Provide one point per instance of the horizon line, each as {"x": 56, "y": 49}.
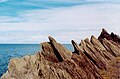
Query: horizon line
{"x": 28, "y": 43}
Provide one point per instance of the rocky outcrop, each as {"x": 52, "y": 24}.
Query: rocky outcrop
{"x": 91, "y": 59}
{"x": 112, "y": 36}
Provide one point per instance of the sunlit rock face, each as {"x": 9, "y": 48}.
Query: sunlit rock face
{"x": 91, "y": 59}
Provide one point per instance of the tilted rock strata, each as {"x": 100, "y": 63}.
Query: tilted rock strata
{"x": 91, "y": 59}
{"x": 112, "y": 36}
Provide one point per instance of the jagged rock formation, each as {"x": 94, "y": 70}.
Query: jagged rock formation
{"x": 112, "y": 36}
{"x": 91, "y": 59}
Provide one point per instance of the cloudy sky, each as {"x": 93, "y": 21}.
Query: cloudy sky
{"x": 32, "y": 21}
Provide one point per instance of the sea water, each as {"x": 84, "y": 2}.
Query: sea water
{"x": 8, "y": 51}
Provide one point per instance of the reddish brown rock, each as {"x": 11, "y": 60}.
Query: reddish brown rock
{"x": 101, "y": 49}
{"x": 93, "y": 55}
{"x": 92, "y": 59}
{"x": 112, "y": 36}
{"x": 59, "y": 50}
{"x": 85, "y": 63}
{"x": 48, "y": 52}
{"x": 113, "y": 49}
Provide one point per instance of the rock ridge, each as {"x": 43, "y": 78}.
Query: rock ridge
{"x": 91, "y": 59}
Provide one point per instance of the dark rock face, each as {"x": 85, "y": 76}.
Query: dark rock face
{"x": 112, "y": 36}
{"x": 91, "y": 59}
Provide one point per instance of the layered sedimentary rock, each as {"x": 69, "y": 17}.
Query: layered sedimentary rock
{"x": 112, "y": 36}
{"x": 91, "y": 59}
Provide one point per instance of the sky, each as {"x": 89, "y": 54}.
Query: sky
{"x": 32, "y": 21}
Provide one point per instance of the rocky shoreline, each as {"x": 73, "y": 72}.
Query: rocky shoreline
{"x": 95, "y": 58}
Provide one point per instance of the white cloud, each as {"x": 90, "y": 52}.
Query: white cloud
{"x": 64, "y": 24}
